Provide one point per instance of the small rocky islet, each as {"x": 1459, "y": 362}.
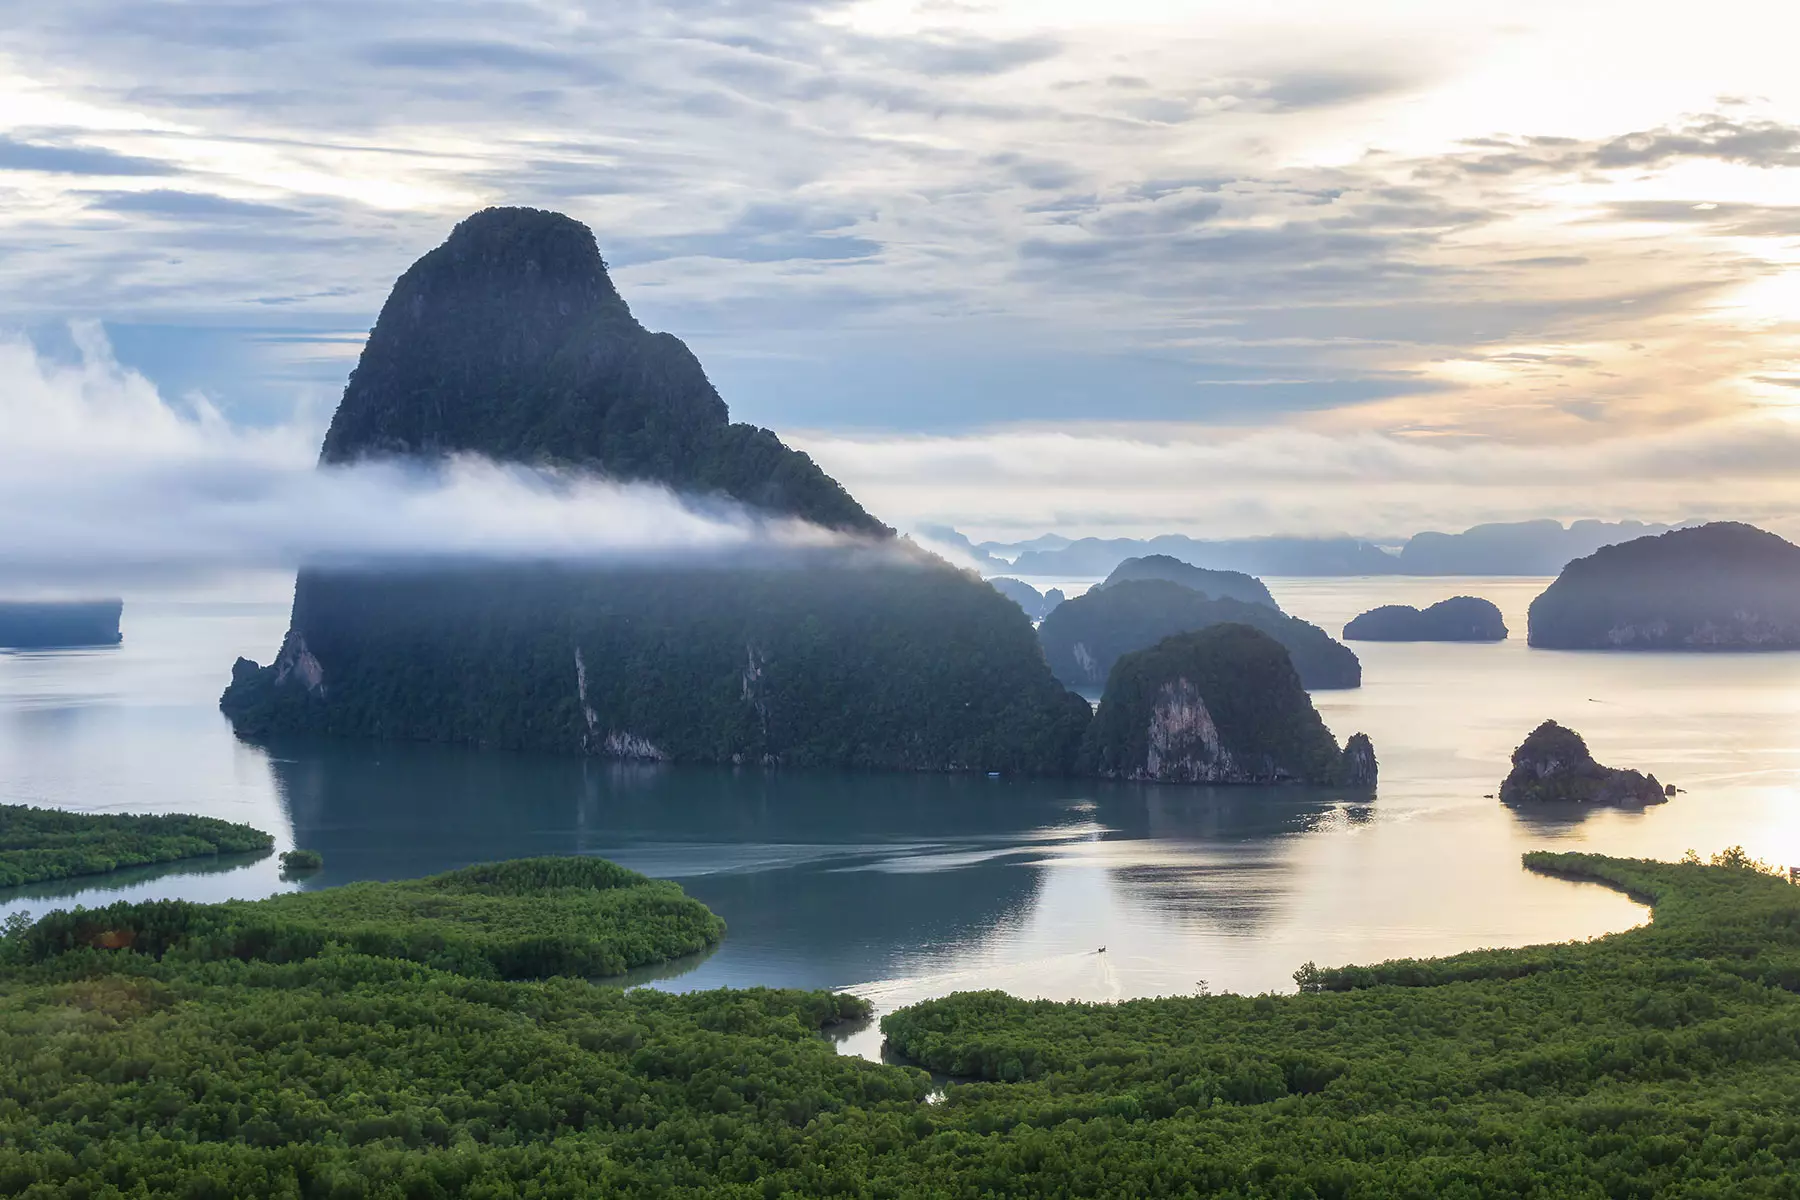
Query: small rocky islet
{"x": 1553, "y": 766}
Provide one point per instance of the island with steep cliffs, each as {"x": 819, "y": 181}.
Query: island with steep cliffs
{"x": 1220, "y": 585}
{"x": 1221, "y": 705}
{"x": 510, "y": 341}
{"x": 1723, "y": 586}
{"x": 1553, "y": 766}
{"x": 1458, "y": 619}
{"x": 1084, "y": 637}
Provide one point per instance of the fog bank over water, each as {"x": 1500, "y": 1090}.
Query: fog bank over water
{"x": 107, "y": 483}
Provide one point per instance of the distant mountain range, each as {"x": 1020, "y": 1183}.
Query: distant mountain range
{"x": 1512, "y": 548}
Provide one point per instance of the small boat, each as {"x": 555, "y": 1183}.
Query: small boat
{"x": 1101, "y": 950}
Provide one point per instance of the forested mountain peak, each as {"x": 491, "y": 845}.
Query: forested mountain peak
{"x": 510, "y": 340}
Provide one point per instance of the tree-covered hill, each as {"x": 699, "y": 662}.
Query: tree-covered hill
{"x": 1664, "y": 1061}
{"x": 1083, "y": 637}
{"x": 1724, "y": 586}
{"x": 1458, "y": 619}
{"x": 836, "y": 663}
{"x": 1220, "y": 585}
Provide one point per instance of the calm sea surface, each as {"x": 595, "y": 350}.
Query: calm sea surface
{"x": 901, "y": 887}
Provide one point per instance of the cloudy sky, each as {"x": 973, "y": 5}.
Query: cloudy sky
{"x": 1131, "y": 267}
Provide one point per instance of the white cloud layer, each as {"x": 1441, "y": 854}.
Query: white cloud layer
{"x": 104, "y": 483}
{"x": 1374, "y": 235}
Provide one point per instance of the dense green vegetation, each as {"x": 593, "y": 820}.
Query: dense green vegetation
{"x": 1222, "y": 705}
{"x": 38, "y": 844}
{"x": 510, "y": 340}
{"x": 1220, "y": 585}
{"x": 1724, "y": 586}
{"x": 525, "y": 919}
{"x": 1458, "y": 619}
{"x": 890, "y": 664}
{"x": 1085, "y": 636}
{"x": 1658, "y": 1062}
{"x": 297, "y": 862}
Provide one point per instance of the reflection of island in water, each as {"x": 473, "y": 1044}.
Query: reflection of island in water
{"x": 823, "y": 878}
{"x": 1217, "y": 859}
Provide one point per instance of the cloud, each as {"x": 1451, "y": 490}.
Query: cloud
{"x": 1214, "y": 481}
{"x": 1743, "y": 141}
{"x": 16, "y": 155}
{"x": 106, "y": 484}
{"x": 940, "y": 55}
{"x": 163, "y": 202}
{"x": 1305, "y": 90}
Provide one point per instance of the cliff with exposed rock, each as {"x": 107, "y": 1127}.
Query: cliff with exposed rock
{"x": 1221, "y": 705}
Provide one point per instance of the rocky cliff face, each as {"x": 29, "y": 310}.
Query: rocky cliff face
{"x": 1458, "y": 619}
{"x": 1724, "y": 586}
{"x": 1553, "y": 766}
{"x": 1223, "y": 705}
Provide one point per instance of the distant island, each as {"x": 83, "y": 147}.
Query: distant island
{"x": 1503, "y": 548}
{"x": 1515, "y": 547}
{"x": 1220, "y": 585}
{"x": 40, "y": 844}
{"x": 510, "y": 340}
{"x": 1221, "y": 705}
{"x": 1037, "y": 605}
{"x": 58, "y": 624}
{"x": 1553, "y": 766}
{"x": 1458, "y": 619}
{"x": 1724, "y": 586}
{"x": 1252, "y": 556}
{"x": 1085, "y": 636}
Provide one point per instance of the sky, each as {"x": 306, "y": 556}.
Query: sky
{"x": 1117, "y": 269}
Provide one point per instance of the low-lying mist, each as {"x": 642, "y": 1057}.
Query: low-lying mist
{"x": 105, "y": 484}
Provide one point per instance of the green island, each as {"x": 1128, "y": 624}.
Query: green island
{"x": 1656, "y": 1062}
{"x": 39, "y": 844}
